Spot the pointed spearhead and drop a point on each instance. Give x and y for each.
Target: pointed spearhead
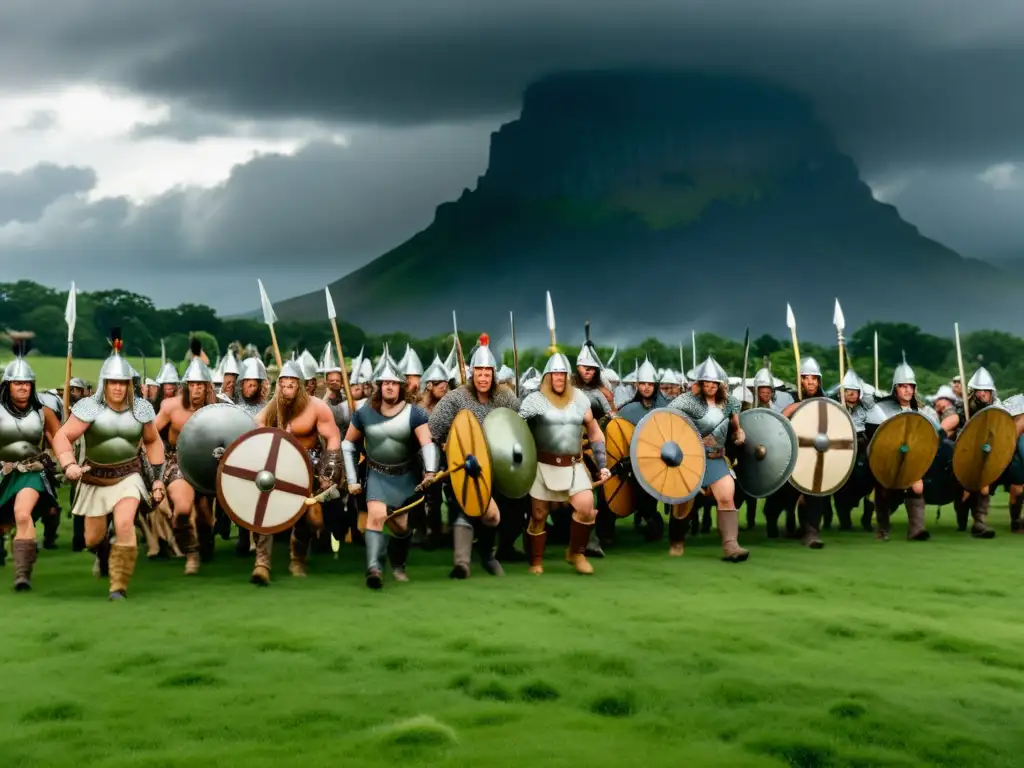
(332, 314)
(268, 309)
(550, 312)
(837, 318)
(790, 318)
(71, 312)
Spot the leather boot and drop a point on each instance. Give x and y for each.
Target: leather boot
(845, 519)
(1016, 525)
(579, 535)
(187, 541)
(51, 521)
(536, 542)
(243, 543)
(77, 533)
(728, 529)
(398, 554)
(883, 505)
(485, 547)
(376, 543)
(25, 552)
(298, 551)
(751, 508)
(261, 570)
(677, 535)
(963, 511)
(593, 548)
(810, 512)
(915, 518)
(122, 567)
(462, 548)
(979, 510)
(101, 567)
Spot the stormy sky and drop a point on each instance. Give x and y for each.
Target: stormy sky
(182, 149)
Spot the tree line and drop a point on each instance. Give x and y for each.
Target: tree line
(28, 306)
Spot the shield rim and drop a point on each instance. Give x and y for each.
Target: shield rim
(527, 432)
(892, 420)
(623, 487)
(957, 453)
(633, 459)
(853, 461)
(222, 503)
(793, 454)
(196, 488)
(475, 427)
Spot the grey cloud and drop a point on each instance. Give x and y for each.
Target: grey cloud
(917, 80)
(40, 120)
(25, 196)
(184, 125)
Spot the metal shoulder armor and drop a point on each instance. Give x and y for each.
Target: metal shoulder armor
(444, 413)
(143, 411)
(87, 409)
(533, 405)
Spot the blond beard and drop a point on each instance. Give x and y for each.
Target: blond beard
(279, 412)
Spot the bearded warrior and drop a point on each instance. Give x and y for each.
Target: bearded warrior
(392, 429)
(858, 404)
(981, 394)
(671, 384)
(434, 383)
(411, 367)
(335, 394)
(113, 422)
(229, 371)
(311, 422)
(713, 413)
(186, 507)
(27, 482)
(252, 389)
(480, 396)
(557, 414)
(646, 398)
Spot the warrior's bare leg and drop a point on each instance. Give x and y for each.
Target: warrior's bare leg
(677, 525)
(537, 534)
(125, 552)
(584, 515)
(724, 490)
(183, 498)
(25, 549)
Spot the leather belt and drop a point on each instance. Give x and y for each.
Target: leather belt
(111, 474)
(390, 469)
(559, 459)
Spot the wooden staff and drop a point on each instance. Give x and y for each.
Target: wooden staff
(71, 318)
(332, 315)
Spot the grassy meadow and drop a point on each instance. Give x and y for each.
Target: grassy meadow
(862, 654)
(50, 370)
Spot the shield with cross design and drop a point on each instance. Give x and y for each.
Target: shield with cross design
(826, 446)
(264, 479)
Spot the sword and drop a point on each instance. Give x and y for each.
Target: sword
(71, 318)
(791, 323)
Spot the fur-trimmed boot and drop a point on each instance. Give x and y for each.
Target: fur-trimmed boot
(101, 565)
(25, 553)
(376, 544)
(915, 518)
(122, 567)
(979, 510)
(485, 548)
(188, 542)
(729, 529)
(398, 554)
(462, 548)
(298, 553)
(579, 535)
(261, 569)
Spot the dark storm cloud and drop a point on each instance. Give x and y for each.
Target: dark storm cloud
(886, 74)
(25, 195)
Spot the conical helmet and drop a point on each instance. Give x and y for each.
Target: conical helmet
(198, 371)
(291, 369)
(115, 367)
(945, 393)
(329, 364)
(410, 365)
(529, 374)
(903, 374)
(19, 369)
(308, 364)
(982, 380)
(168, 375)
(809, 367)
(506, 375)
(253, 368)
(588, 353)
(229, 365)
(435, 373)
(710, 370)
(630, 378)
(217, 374)
(671, 377)
(557, 363)
(483, 358)
(451, 363)
(387, 369)
(646, 373)
(610, 377)
(365, 370)
(357, 369)
(764, 378)
(852, 381)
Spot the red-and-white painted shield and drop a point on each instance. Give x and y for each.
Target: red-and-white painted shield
(264, 479)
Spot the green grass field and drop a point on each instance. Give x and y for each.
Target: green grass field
(50, 370)
(862, 654)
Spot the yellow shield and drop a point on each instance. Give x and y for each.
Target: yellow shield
(984, 448)
(902, 450)
(467, 449)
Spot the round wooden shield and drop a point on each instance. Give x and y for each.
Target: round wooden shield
(984, 448)
(826, 446)
(902, 450)
(618, 491)
(466, 446)
(263, 480)
(668, 456)
(768, 455)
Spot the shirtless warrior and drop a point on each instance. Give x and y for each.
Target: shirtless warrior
(391, 429)
(113, 423)
(311, 422)
(557, 414)
(27, 484)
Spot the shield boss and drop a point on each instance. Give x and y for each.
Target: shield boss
(768, 455)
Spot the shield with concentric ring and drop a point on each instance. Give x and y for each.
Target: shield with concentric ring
(263, 480)
(668, 456)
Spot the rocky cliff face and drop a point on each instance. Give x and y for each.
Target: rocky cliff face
(657, 203)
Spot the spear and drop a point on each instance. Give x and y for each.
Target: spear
(746, 359)
(515, 350)
(960, 363)
(693, 343)
(70, 317)
(163, 354)
(876, 361)
(791, 323)
(840, 323)
(458, 351)
(682, 360)
(551, 324)
(332, 315)
(270, 318)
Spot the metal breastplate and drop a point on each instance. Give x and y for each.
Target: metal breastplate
(113, 437)
(388, 440)
(713, 422)
(559, 430)
(859, 416)
(340, 412)
(20, 438)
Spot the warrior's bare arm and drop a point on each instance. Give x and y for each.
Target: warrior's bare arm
(155, 453)
(261, 418)
(67, 436)
(788, 410)
(949, 424)
(163, 418)
(740, 436)
(51, 425)
(327, 426)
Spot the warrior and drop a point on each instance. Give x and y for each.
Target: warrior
(587, 379)
(27, 482)
(647, 397)
(557, 414)
(391, 428)
(113, 422)
(311, 422)
(411, 367)
(151, 389)
(253, 387)
(435, 386)
(480, 396)
(857, 403)
(78, 388)
(714, 413)
(168, 383)
(174, 414)
(768, 392)
(507, 378)
(671, 384)
(981, 394)
(335, 394)
(434, 383)
(230, 371)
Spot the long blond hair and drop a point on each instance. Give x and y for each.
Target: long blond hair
(278, 413)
